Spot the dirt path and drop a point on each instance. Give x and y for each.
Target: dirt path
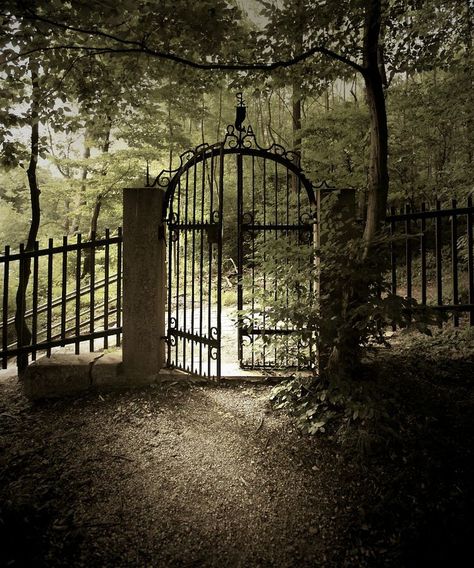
(209, 476)
(175, 476)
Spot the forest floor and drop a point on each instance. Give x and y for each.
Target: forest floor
(203, 475)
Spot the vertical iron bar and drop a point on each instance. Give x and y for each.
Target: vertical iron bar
(64, 289)
(175, 247)
(275, 278)
(240, 188)
(106, 286)
(92, 290)
(252, 233)
(177, 256)
(423, 256)
(393, 254)
(49, 299)
(314, 242)
(185, 275)
(454, 261)
(119, 285)
(470, 260)
(34, 318)
(77, 343)
(393, 257)
(193, 283)
(201, 261)
(263, 324)
(287, 241)
(22, 306)
(209, 276)
(171, 231)
(439, 273)
(408, 255)
(6, 270)
(219, 262)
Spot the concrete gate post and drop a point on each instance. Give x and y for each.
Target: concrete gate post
(341, 205)
(144, 284)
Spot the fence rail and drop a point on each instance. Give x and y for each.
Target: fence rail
(432, 257)
(75, 289)
(74, 294)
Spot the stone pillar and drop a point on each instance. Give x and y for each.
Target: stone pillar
(144, 284)
(336, 204)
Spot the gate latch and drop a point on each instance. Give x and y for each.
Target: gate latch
(212, 232)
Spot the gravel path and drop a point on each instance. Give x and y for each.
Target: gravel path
(170, 476)
(205, 475)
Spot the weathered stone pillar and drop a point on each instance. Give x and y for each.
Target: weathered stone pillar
(144, 284)
(337, 207)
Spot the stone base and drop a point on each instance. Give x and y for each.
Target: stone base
(59, 375)
(65, 374)
(107, 372)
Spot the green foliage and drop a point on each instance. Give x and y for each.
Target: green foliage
(432, 141)
(351, 316)
(320, 408)
(342, 159)
(357, 304)
(336, 293)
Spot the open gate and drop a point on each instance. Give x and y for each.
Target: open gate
(234, 201)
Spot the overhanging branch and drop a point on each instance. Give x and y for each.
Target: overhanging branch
(135, 46)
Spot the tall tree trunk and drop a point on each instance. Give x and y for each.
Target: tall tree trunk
(170, 134)
(219, 118)
(22, 330)
(377, 190)
(296, 111)
(98, 200)
(94, 220)
(341, 358)
(95, 216)
(260, 120)
(203, 135)
(297, 138)
(80, 202)
(296, 90)
(469, 76)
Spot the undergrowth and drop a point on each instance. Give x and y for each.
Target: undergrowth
(372, 410)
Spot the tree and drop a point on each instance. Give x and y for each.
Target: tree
(374, 38)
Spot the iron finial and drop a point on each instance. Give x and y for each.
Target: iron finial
(240, 112)
(240, 99)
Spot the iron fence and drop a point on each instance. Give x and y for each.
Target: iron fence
(432, 257)
(74, 295)
(75, 288)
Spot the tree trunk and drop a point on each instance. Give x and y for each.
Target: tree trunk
(296, 111)
(297, 138)
(95, 216)
(377, 190)
(219, 118)
(98, 201)
(344, 349)
(22, 330)
(94, 221)
(469, 76)
(296, 91)
(76, 224)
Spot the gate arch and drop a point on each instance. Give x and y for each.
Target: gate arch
(272, 198)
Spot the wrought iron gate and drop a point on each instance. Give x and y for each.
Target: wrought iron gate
(267, 201)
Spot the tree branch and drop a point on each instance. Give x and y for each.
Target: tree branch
(142, 47)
